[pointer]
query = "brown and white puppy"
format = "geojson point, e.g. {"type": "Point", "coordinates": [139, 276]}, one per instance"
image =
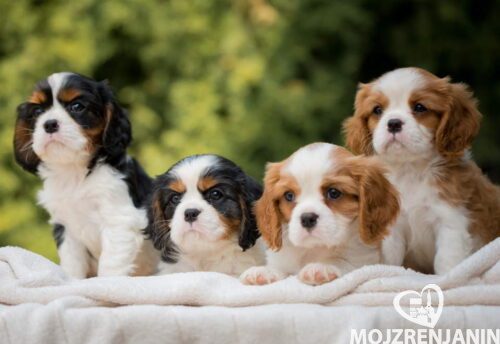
{"type": "Point", "coordinates": [323, 213]}
{"type": "Point", "coordinates": [200, 217]}
{"type": "Point", "coordinates": [422, 127]}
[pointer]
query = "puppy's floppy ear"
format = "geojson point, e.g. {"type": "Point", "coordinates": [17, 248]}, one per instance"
{"type": "Point", "coordinates": [267, 210]}
{"type": "Point", "coordinates": [23, 139]}
{"type": "Point", "coordinates": [251, 192]}
{"type": "Point", "coordinates": [460, 124]}
{"type": "Point", "coordinates": [378, 199]}
{"type": "Point", "coordinates": [117, 133]}
{"type": "Point", "coordinates": [158, 229]}
{"type": "Point", "coordinates": [357, 134]}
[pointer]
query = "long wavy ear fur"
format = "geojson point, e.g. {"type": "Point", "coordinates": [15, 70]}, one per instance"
{"type": "Point", "coordinates": [378, 199]}
{"type": "Point", "coordinates": [267, 210]}
{"type": "Point", "coordinates": [251, 192]}
{"type": "Point", "coordinates": [460, 124]}
{"type": "Point", "coordinates": [357, 135]}
{"type": "Point", "coordinates": [117, 131]}
{"type": "Point", "coordinates": [158, 229]}
{"type": "Point", "coordinates": [23, 140]}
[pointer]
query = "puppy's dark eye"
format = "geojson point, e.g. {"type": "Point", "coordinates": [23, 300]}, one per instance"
{"type": "Point", "coordinates": [289, 196]}
{"type": "Point", "coordinates": [215, 195]}
{"type": "Point", "coordinates": [333, 194]}
{"type": "Point", "coordinates": [76, 107]}
{"type": "Point", "coordinates": [377, 110]}
{"type": "Point", "coordinates": [419, 108]}
{"type": "Point", "coordinates": [175, 199]}
{"type": "Point", "coordinates": [37, 111]}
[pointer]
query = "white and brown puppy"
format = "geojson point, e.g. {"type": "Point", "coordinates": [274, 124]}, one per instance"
{"type": "Point", "coordinates": [323, 213]}
{"type": "Point", "coordinates": [73, 134]}
{"type": "Point", "coordinates": [422, 126]}
{"type": "Point", "coordinates": [200, 217]}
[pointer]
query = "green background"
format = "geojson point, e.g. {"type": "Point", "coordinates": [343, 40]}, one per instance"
{"type": "Point", "coordinates": [249, 79]}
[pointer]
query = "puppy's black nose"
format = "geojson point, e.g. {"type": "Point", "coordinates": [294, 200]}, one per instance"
{"type": "Point", "coordinates": [51, 126]}
{"type": "Point", "coordinates": [309, 220]}
{"type": "Point", "coordinates": [190, 215]}
{"type": "Point", "coordinates": [395, 125]}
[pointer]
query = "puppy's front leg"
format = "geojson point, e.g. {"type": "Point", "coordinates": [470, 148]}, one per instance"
{"type": "Point", "coordinates": [73, 255]}
{"type": "Point", "coordinates": [120, 247]}
{"type": "Point", "coordinates": [394, 245]}
{"type": "Point", "coordinates": [453, 245]}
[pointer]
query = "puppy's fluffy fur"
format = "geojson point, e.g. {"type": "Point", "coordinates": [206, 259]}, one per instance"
{"type": "Point", "coordinates": [73, 134]}
{"type": "Point", "coordinates": [422, 126]}
{"type": "Point", "coordinates": [200, 217]}
{"type": "Point", "coordinates": [323, 213]}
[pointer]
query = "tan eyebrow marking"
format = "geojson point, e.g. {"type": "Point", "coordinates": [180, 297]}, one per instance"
{"type": "Point", "coordinates": [206, 183]}
{"type": "Point", "coordinates": [177, 186]}
{"type": "Point", "coordinates": [68, 94]}
{"type": "Point", "coordinates": [37, 97]}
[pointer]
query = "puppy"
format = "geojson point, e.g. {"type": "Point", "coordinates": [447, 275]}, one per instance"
{"type": "Point", "coordinates": [422, 126]}
{"type": "Point", "coordinates": [323, 213]}
{"type": "Point", "coordinates": [200, 217]}
{"type": "Point", "coordinates": [73, 134]}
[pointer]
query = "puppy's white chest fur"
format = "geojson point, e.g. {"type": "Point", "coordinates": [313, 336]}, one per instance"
{"type": "Point", "coordinates": [423, 214]}
{"type": "Point", "coordinates": [86, 205]}
{"type": "Point", "coordinates": [229, 259]}
{"type": "Point", "coordinates": [419, 202]}
{"type": "Point", "coordinates": [348, 256]}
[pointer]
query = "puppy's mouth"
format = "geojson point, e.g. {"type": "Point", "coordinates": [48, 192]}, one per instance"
{"type": "Point", "coordinates": [394, 141]}
{"type": "Point", "coordinates": [198, 235]}
{"type": "Point", "coordinates": [308, 239]}
{"type": "Point", "coordinates": [50, 146]}
{"type": "Point", "coordinates": [191, 228]}
{"type": "Point", "coordinates": [196, 230]}
{"type": "Point", "coordinates": [312, 242]}
{"type": "Point", "coordinates": [53, 140]}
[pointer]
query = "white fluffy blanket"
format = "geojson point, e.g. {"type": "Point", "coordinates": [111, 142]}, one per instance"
{"type": "Point", "coordinates": [38, 303]}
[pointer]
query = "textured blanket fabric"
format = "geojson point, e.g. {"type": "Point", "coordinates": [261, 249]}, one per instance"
{"type": "Point", "coordinates": [38, 303]}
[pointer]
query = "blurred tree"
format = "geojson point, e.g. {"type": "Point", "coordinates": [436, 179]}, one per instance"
{"type": "Point", "coordinates": [249, 79]}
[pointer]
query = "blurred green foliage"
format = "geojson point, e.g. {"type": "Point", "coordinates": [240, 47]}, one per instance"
{"type": "Point", "coordinates": [249, 79]}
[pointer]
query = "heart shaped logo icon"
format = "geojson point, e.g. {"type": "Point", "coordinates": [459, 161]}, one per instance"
{"type": "Point", "coordinates": [421, 310]}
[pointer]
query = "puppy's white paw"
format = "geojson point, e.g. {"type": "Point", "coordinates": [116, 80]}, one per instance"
{"type": "Point", "coordinates": [260, 275]}
{"type": "Point", "coordinates": [318, 273]}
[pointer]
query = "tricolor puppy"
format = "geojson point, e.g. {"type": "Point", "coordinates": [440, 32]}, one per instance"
{"type": "Point", "coordinates": [323, 213]}
{"type": "Point", "coordinates": [422, 126]}
{"type": "Point", "coordinates": [200, 217]}
{"type": "Point", "coordinates": [73, 134]}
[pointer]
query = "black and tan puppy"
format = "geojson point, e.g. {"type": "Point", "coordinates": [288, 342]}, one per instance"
{"type": "Point", "coordinates": [201, 219]}
{"type": "Point", "coordinates": [73, 134]}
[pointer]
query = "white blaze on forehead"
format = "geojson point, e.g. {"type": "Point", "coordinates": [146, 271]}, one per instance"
{"type": "Point", "coordinates": [56, 82]}
{"type": "Point", "coordinates": [190, 170]}
{"type": "Point", "coordinates": [309, 165]}
{"type": "Point", "coordinates": [399, 84]}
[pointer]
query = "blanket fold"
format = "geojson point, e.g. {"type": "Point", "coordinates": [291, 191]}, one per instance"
{"type": "Point", "coordinates": [29, 278]}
